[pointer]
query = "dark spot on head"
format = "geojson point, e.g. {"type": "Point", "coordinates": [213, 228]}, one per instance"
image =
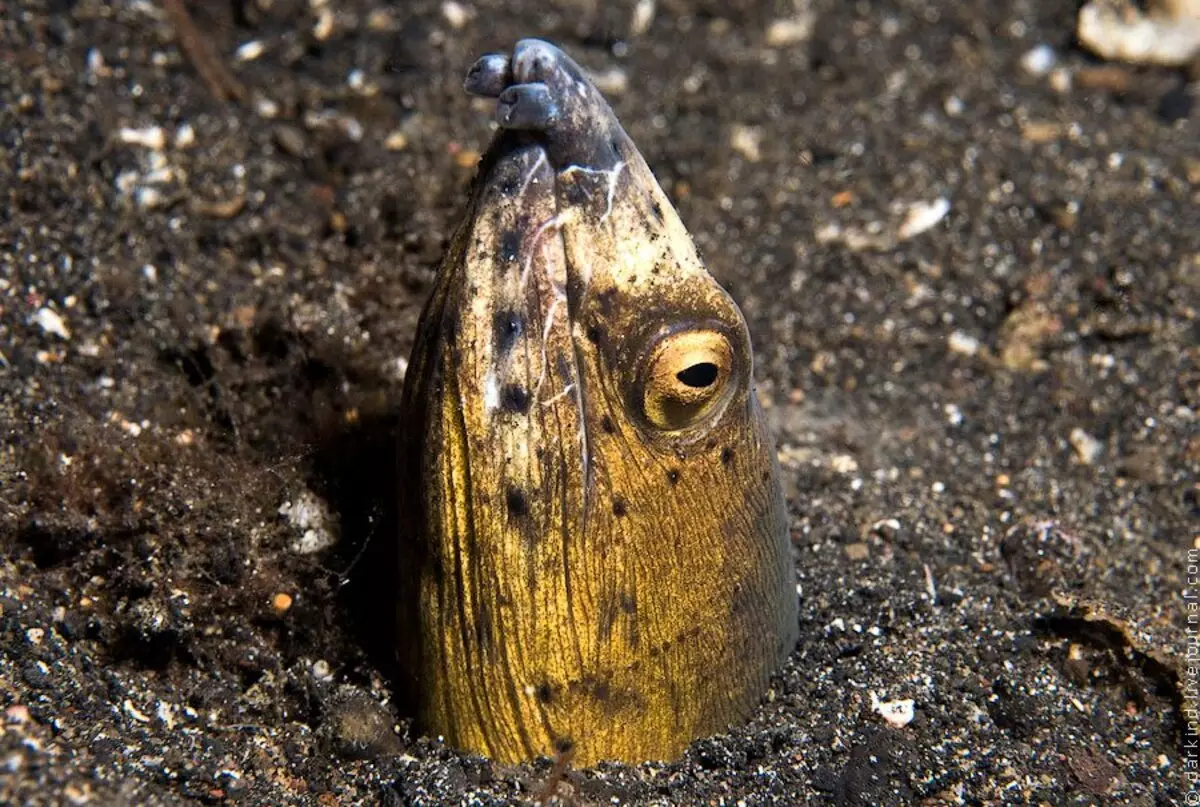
{"type": "Point", "coordinates": [604, 299]}
{"type": "Point", "coordinates": [449, 323]}
{"type": "Point", "coordinates": [564, 369]}
{"type": "Point", "coordinates": [514, 398]}
{"type": "Point", "coordinates": [656, 209]}
{"type": "Point", "coordinates": [510, 245]}
{"type": "Point", "coordinates": [607, 618]}
{"type": "Point", "coordinates": [507, 327]}
{"type": "Point", "coordinates": [673, 476]}
{"type": "Point", "coordinates": [575, 287]}
{"type": "Point", "coordinates": [595, 333]}
{"type": "Point", "coordinates": [726, 455]}
{"type": "Point", "coordinates": [545, 693]}
{"type": "Point", "coordinates": [563, 745]}
{"type": "Point", "coordinates": [483, 627]}
{"type": "Point", "coordinates": [607, 425]}
{"type": "Point", "coordinates": [618, 507]}
{"type": "Point", "coordinates": [508, 182]}
{"type": "Point", "coordinates": [628, 603]}
{"type": "Point", "coordinates": [616, 147]}
{"type": "Point", "coordinates": [601, 690]}
{"type": "Point", "coordinates": [766, 475]}
{"type": "Point", "coordinates": [741, 604]}
{"type": "Point", "coordinates": [517, 505]}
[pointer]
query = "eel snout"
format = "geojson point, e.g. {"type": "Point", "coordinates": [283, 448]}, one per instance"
{"type": "Point", "coordinates": [541, 89]}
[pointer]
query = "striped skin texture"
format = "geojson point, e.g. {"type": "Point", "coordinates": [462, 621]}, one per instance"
{"type": "Point", "coordinates": [594, 547]}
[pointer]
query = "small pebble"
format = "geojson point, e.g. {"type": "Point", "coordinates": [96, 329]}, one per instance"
{"type": "Point", "coordinates": [643, 16]}
{"type": "Point", "coordinates": [323, 27]}
{"type": "Point", "coordinates": [95, 61]}
{"type": "Point", "coordinates": [396, 141]}
{"type": "Point", "coordinates": [266, 108]}
{"type": "Point", "coordinates": [898, 713]}
{"type": "Point", "coordinates": [613, 81]}
{"type": "Point", "coordinates": [320, 670]}
{"type": "Point", "coordinates": [1038, 61]}
{"type": "Point", "coordinates": [359, 727]}
{"type": "Point", "coordinates": [746, 141]}
{"type": "Point", "coordinates": [858, 551]}
{"type": "Point", "coordinates": [1087, 448]}
{"type": "Point", "coordinates": [466, 158]}
{"type": "Point", "coordinates": [52, 323]}
{"type": "Point", "coordinates": [1041, 131]}
{"type": "Point", "coordinates": [923, 216]}
{"type": "Point", "coordinates": [310, 517]}
{"type": "Point", "coordinates": [151, 137]}
{"type": "Point", "coordinates": [963, 344]}
{"type": "Point", "coordinates": [456, 14]}
{"type": "Point", "coordinates": [382, 20]}
{"type": "Point", "coordinates": [291, 140]}
{"type": "Point", "coordinates": [185, 136]}
{"type": "Point", "coordinates": [1061, 80]}
{"type": "Point", "coordinates": [148, 198]}
{"type": "Point", "coordinates": [790, 30]}
{"type": "Point", "coordinates": [281, 602]}
{"type": "Point", "coordinates": [843, 464]}
{"type": "Point", "coordinates": [249, 51]}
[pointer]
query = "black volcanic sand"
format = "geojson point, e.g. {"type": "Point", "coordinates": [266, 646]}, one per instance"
{"type": "Point", "coordinates": [989, 429]}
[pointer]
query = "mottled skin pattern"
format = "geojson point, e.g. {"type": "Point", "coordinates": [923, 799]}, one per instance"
{"type": "Point", "coordinates": [574, 575]}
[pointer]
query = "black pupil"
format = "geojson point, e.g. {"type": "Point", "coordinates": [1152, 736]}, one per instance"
{"type": "Point", "coordinates": [698, 375]}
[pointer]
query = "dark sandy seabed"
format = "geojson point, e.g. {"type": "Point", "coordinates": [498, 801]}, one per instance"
{"type": "Point", "coordinates": [989, 429]}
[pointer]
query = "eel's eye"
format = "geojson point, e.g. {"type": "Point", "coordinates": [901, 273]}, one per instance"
{"type": "Point", "coordinates": [687, 378]}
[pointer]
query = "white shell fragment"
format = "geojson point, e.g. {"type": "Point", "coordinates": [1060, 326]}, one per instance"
{"type": "Point", "coordinates": [923, 216]}
{"type": "Point", "coordinates": [1087, 447]}
{"type": "Point", "coordinates": [962, 343]}
{"type": "Point", "coordinates": [643, 15]}
{"type": "Point", "coordinates": [456, 14]}
{"type": "Point", "coordinates": [310, 517]}
{"type": "Point", "coordinates": [249, 51]}
{"type": "Point", "coordinates": [898, 713]}
{"type": "Point", "coordinates": [151, 137]}
{"type": "Point", "coordinates": [51, 322]}
{"type": "Point", "coordinates": [1039, 60]}
{"type": "Point", "coordinates": [876, 235]}
{"type": "Point", "coordinates": [791, 30]}
{"type": "Point", "coordinates": [1168, 34]}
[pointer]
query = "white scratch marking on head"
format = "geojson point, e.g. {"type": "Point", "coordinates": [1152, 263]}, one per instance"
{"type": "Point", "coordinates": [559, 298]}
{"type": "Point", "coordinates": [531, 177]}
{"type": "Point", "coordinates": [553, 221]}
{"type": "Point", "coordinates": [613, 174]}
{"type": "Point", "coordinates": [567, 390]}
